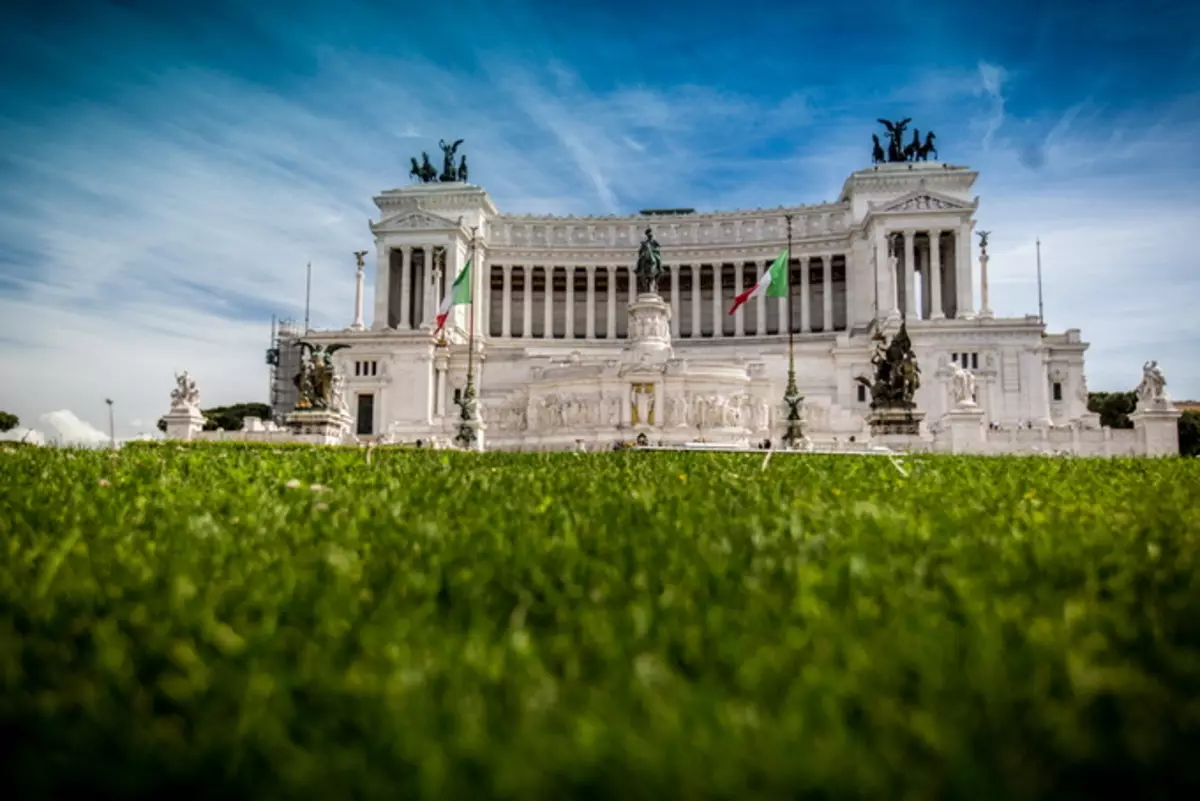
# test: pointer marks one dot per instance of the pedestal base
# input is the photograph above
(1158, 429)
(649, 331)
(965, 430)
(319, 426)
(890, 422)
(183, 423)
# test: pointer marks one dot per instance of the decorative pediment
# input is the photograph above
(924, 200)
(419, 220)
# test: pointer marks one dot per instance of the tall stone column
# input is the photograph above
(611, 331)
(527, 304)
(962, 252)
(675, 310)
(383, 286)
(548, 303)
(695, 333)
(761, 313)
(739, 320)
(893, 272)
(569, 327)
(443, 368)
(910, 281)
(985, 306)
(590, 311)
(882, 287)
(717, 305)
(506, 302)
(406, 321)
(923, 268)
(935, 275)
(805, 296)
(827, 292)
(359, 275)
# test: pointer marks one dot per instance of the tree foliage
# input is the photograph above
(1114, 408)
(1189, 433)
(8, 421)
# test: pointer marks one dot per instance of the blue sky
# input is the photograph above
(167, 169)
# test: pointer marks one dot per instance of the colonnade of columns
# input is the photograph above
(940, 259)
(589, 302)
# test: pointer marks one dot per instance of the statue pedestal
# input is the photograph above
(649, 331)
(183, 422)
(1157, 427)
(319, 426)
(895, 422)
(964, 428)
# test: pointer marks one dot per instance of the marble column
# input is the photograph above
(548, 302)
(695, 332)
(406, 322)
(923, 268)
(805, 296)
(910, 281)
(590, 311)
(827, 293)
(675, 310)
(383, 286)
(739, 320)
(962, 253)
(506, 303)
(717, 306)
(611, 331)
(569, 329)
(760, 328)
(935, 275)
(527, 304)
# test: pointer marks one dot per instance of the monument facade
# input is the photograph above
(598, 329)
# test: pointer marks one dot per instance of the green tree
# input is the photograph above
(8, 421)
(1189, 433)
(228, 418)
(1114, 408)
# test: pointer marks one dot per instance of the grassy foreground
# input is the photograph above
(235, 622)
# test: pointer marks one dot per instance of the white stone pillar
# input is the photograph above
(695, 302)
(985, 307)
(739, 320)
(962, 252)
(527, 304)
(406, 321)
(893, 272)
(880, 301)
(935, 275)
(675, 310)
(910, 281)
(805, 297)
(590, 312)
(506, 303)
(761, 314)
(827, 292)
(718, 306)
(923, 268)
(611, 331)
(548, 303)
(569, 328)
(359, 274)
(383, 286)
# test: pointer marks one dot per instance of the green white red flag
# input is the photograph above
(774, 283)
(459, 294)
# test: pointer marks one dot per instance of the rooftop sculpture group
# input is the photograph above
(897, 151)
(426, 173)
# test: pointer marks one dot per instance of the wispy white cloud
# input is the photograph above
(157, 243)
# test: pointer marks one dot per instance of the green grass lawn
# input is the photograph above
(239, 622)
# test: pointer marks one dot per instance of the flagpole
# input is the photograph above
(469, 423)
(791, 394)
(1041, 310)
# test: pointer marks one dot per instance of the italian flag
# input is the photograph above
(774, 282)
(460, 293)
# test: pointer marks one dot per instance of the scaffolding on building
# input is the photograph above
(283, 357)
